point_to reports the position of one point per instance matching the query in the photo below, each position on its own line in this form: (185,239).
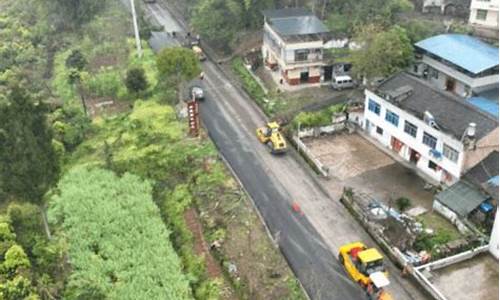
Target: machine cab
(370,261)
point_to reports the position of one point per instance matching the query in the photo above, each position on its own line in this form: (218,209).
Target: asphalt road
(309,241)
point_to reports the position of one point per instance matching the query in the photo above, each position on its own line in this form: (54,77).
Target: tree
(178,65)
(74,13)
(217,21)
(28,162)
(15,258)
(76,60)
(382,52)
(136,80)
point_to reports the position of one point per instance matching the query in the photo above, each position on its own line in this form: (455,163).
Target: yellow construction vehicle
(366,267)
(272,137)
(199,53)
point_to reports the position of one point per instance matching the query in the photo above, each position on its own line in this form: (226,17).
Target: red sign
(193,118)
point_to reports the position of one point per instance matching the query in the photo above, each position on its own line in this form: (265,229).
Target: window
(434,73)
(432,165)
(301,55)
(481,14)
(380,130)
(429,140)
(450,153)
(410,129)
(374,107)
(392,118)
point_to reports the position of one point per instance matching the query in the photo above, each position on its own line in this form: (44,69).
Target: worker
(202,75)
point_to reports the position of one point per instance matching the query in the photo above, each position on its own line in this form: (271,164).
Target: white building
(484,17)
(293,45)
(440,134)
(457,63)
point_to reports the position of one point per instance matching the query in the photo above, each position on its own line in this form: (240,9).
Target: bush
(136,81)
(76,60)
(70,126)
(318,118)
(250,85)
(403,203)
(106,83)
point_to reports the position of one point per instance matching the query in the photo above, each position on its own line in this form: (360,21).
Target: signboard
(193,118)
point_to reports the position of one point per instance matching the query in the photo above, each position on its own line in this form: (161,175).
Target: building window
(392,118)
(481,14)
(429,140)
(374,107)
(410,129)
(434,73)
(380,130)
(432,165)
(301,55)
(450,153)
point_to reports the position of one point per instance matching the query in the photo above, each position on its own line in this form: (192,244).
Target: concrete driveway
(353,161)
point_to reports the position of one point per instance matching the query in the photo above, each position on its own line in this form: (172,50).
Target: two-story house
(439,133)
(457,63)
(293,45)
(484,17)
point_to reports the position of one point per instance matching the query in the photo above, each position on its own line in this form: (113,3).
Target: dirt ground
(455,281)
(259,271)
(355,162)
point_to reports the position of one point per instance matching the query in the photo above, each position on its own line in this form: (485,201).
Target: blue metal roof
(486,105)
(464,51)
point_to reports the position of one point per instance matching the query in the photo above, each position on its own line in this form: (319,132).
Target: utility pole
(136,29)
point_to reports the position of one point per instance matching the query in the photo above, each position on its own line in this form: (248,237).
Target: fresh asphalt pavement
(308,240)
(306,252)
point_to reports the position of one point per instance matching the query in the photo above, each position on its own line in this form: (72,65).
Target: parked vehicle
(343,82)
(197,93)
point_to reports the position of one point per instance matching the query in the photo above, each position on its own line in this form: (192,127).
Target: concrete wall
(462,80)
(450,215)
(491,17)
(495,235)
(415,143)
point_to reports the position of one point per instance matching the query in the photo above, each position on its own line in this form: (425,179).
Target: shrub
(403,203)
(15,258)
(76,60)
(136,81)
(319,118)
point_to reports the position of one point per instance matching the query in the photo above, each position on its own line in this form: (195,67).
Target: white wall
(491,17)
(495,234)
(454,168)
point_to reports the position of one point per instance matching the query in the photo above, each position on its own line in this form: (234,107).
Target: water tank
(471,130)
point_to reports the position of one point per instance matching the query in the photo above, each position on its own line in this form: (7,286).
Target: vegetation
(102,217)
(318,118)
(136,81)
(403,203)
(382,52)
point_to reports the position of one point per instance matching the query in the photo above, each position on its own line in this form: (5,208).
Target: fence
(320,167)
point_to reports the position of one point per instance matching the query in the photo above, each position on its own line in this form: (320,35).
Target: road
(310,240)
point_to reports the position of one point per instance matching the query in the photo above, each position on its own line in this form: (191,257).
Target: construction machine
(199,53)
(366,267)
(272,137)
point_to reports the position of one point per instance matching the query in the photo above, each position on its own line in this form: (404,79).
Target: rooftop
(485,174)
(464,51)
(295,23)
(486,101)
(462,198)
(369,255)
(451,114)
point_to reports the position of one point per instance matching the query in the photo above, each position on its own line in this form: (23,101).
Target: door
(414,156)
(450,84)
(304,77)
(327,73)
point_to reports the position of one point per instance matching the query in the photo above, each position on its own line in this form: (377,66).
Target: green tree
(382,52)
(217,21)
(418,30)
(28,162)
(73,14)
(136,80)
(15,258)
(76,60)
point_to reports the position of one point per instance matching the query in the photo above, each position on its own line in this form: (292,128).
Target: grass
(438,223)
